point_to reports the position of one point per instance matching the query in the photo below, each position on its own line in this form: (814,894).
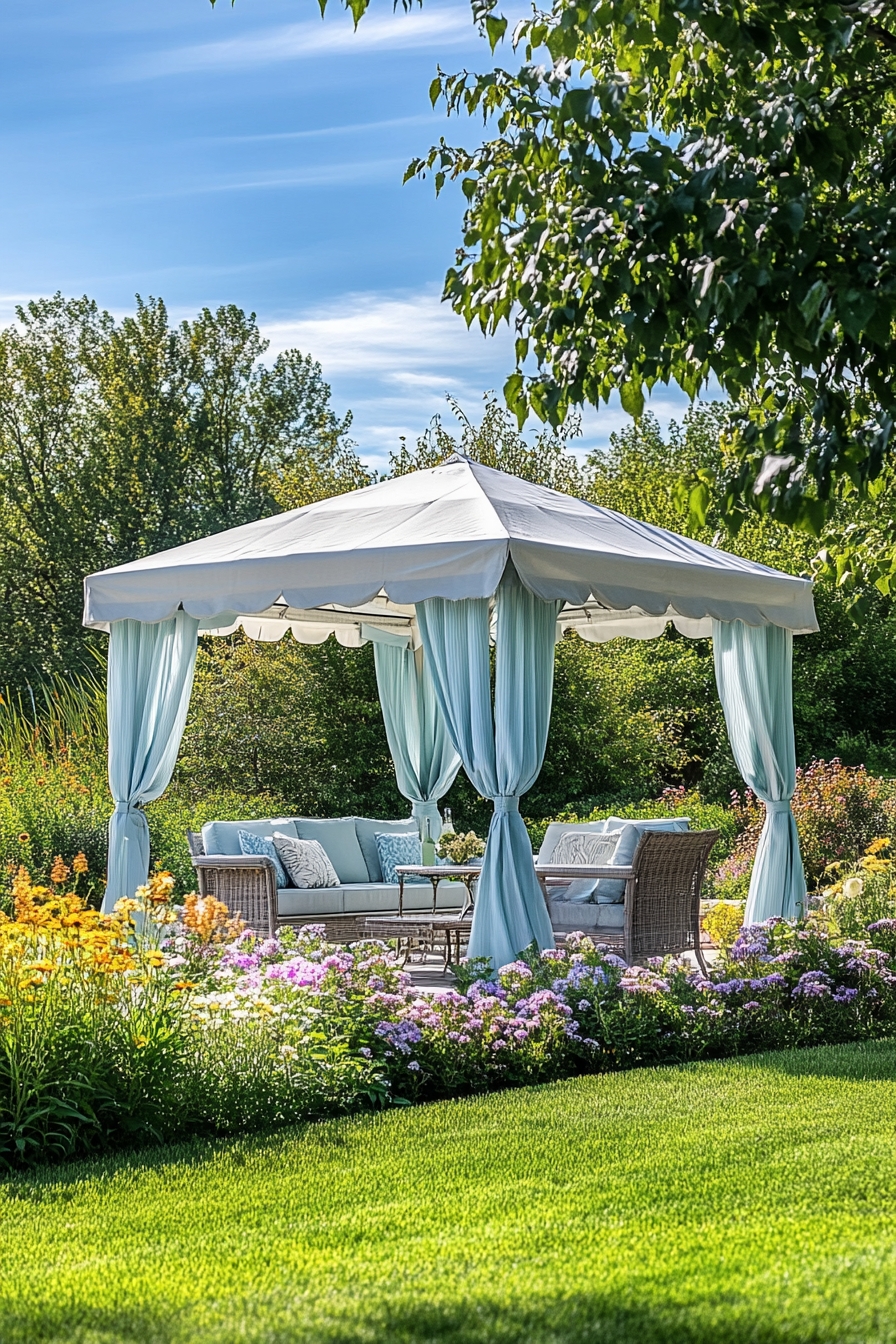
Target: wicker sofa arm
(233,861)
(571,870)
(245,883)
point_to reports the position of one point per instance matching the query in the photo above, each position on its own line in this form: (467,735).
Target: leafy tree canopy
(688,190)
(118,439)
(497,442)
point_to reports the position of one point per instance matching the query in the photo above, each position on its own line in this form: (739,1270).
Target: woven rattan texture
(662,912)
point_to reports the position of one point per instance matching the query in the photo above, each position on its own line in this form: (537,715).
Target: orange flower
(60,872)
(79,863)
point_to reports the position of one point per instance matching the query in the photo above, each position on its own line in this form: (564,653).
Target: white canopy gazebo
(430,567)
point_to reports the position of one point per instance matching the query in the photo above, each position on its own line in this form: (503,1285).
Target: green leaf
(495,28)
(632,399)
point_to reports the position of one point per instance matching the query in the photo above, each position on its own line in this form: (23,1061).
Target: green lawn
(752,1200)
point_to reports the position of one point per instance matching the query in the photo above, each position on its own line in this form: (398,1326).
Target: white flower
(852,887)
(288,1052)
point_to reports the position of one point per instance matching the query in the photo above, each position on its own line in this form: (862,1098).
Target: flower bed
(197,1025)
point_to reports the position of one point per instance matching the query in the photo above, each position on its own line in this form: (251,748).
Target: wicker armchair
(247,884)
(662,895)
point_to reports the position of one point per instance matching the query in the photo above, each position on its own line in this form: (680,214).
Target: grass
(750,1200)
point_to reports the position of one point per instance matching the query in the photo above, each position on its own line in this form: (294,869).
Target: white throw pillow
(586,847)
(306,862)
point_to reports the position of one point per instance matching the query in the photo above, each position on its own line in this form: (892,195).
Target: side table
(467,872)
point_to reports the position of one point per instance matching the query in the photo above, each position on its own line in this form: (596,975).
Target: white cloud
(393,357)
(387,334)
(331,174)
(300,41)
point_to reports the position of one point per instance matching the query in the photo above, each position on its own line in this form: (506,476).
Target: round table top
(440,869)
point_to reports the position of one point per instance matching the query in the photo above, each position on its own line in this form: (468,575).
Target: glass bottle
(429,847)
(447,823)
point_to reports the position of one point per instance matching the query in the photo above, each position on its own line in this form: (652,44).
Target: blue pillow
(394,848)
(256,844)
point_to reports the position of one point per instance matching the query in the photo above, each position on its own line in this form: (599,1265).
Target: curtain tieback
(777,805)
(508,802)
(129,807)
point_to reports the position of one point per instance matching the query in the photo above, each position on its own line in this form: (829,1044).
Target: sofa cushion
(257,844)
(306,861)
(309,902)
(612,889)
(648,823)
(395,848)
(366,830)
(569,916)
(340,841)
(223,837)
(586,847)
(558,828)
(382,897)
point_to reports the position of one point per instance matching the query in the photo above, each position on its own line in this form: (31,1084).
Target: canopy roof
(367,557)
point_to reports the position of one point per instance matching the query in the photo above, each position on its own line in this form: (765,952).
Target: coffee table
(422,931)
(468,873)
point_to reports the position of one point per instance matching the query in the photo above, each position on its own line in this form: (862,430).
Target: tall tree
(119,439)
(697,189)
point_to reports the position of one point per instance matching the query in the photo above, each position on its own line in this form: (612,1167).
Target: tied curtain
(502,750)
(422,751)
(149,683)
(754,675)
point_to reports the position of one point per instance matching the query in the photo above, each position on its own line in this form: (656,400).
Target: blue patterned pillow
(394,848)
(254,844)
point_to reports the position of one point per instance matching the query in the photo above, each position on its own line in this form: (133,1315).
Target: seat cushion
(570,915)
(451,896)
(366,829)
(309,901)
(382,897)
(340,842)
(223,837)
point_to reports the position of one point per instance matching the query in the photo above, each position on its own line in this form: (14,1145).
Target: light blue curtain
(422,751)
(502,752)
(149,682)
(754,674)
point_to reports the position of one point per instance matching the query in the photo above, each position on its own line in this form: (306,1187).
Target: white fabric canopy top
(369,556)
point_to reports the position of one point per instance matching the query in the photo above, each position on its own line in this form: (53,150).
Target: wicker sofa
(247,883)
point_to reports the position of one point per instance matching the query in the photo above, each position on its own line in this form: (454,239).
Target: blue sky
(252,154)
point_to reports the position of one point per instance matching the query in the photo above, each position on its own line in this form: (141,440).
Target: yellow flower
(154,959)
(24,837)
(141,1042)
(183,984)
